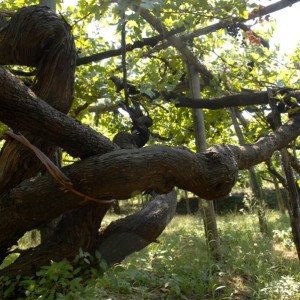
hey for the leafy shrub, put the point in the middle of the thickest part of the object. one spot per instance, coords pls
(59, 280)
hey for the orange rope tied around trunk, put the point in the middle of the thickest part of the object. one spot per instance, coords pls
(54, 171)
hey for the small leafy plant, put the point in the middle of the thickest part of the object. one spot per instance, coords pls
(59, 280)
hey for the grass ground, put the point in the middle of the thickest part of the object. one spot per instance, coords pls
(179, 267)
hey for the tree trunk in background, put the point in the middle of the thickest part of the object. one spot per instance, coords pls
(293, 203)
(279, 197)
(261, 207)
(254, 183)
(293, 198)
(285, 197)
(187, 203)
(207, 207)
(280, 200)
(36, 37)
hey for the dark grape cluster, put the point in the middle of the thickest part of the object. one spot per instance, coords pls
(233, 30)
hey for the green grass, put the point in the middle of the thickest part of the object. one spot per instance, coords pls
(179, 267)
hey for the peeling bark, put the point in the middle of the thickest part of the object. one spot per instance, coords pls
(44, 42)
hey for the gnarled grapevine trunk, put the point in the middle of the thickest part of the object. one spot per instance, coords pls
(36, 37)
(79, 229)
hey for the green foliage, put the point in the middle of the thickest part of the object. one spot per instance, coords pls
(16, 4)
(60, 280)
(178, 266)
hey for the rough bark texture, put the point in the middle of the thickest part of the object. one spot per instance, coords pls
(117, 241)
(138, 230)
(36, 37)
(209, 175)
(40, 39)
(114, 176)
(23, 110)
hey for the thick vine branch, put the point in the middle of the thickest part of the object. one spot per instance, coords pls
(115, 175)
(114, 243)
(242, 99)
(251, 155)
(22, 110)
(110, 173)
(136, 231)
(122, 173)
(36, 37)
(223, 102)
